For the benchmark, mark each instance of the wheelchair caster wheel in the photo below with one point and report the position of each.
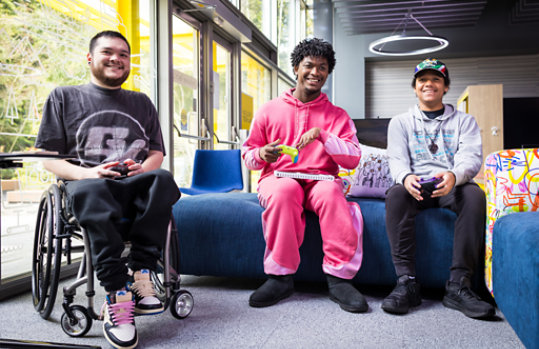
(78, 326)
(182, 304)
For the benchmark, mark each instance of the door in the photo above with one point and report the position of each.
(186, 96)
(222, 95)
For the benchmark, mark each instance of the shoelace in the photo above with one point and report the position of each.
(143, 288)
(121, 313)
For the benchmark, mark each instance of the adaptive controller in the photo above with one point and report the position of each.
(428, 185)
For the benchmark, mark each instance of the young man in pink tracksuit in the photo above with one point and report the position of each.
(326, 138)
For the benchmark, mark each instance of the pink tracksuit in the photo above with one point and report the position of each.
(285, 199)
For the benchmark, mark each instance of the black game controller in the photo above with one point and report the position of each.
(428, 185)
(121, 168)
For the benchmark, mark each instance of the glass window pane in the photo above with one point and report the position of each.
(286, 33)
(309, 23)
(186, 98)
(255, 83)
(283, 85)
(43, 45)
(256, 90)
(252, 9)
(222, 87)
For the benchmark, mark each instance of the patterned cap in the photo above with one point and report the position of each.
(431, 64)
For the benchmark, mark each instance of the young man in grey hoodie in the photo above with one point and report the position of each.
(434, 142)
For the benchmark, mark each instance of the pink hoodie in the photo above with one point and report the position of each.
(287, 118)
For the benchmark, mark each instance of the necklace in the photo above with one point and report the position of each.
(433, 147)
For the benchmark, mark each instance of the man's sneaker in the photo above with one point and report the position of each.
(405, 295)
(275, 289)
(146, 302)
(459, 296)
(118, 320)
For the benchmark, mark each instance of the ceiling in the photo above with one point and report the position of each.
(398, 16)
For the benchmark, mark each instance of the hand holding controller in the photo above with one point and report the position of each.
(428, 185)
(121, 168)
(288, 150)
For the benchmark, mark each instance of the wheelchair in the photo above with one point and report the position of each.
(55, 232)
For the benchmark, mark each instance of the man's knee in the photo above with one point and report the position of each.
(163, 175)
(396, 195)
(473, 195)
(286, 189)
(327, 189)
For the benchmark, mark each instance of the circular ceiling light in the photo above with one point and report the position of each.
(404, 45)
(377, 46)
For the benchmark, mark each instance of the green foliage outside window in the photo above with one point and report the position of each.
(39, 50)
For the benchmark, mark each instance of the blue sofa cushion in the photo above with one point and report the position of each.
(221, 235)
(515, 273)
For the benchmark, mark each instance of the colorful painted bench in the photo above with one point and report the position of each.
(512, 238)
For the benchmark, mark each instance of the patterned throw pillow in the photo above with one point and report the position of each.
(371, 178)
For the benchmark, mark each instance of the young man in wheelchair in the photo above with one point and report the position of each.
(104, 126)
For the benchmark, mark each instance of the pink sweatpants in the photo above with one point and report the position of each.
(283, 223)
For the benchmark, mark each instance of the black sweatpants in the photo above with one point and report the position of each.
(467, 201)
(135, 209)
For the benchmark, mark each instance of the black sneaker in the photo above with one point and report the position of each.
(342, 292)
(275, 289)
(461, 297)
(405, 295)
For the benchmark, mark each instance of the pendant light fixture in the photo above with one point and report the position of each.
(427, 43)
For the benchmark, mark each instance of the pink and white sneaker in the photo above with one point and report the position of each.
(146, 302)
(118, 320)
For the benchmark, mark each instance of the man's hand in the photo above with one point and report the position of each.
(444, 187)
(270, 153)
(134, 168)
(411, 183)
(66, 170)
(105, 170)
(308, 137)
(108, 170)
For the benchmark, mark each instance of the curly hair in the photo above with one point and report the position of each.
(314, 48)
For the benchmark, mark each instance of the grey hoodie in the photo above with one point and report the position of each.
(455, 133)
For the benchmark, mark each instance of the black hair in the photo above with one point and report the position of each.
(107, 34)
(314, 48)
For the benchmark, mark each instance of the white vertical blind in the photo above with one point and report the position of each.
(389, 91)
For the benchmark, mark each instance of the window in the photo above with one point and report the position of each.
(222, 95)
(253, 10)
(43, 45)
(256, 90)
(185, 48)
(284, 22)
(284, 84)
(255, 87)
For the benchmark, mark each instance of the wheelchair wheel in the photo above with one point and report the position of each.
(47, 253)
(79, 325)
(182, 304)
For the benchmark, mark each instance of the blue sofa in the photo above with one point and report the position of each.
(221, 235)
(515, 273)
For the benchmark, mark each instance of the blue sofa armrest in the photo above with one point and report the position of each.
(515, 273)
